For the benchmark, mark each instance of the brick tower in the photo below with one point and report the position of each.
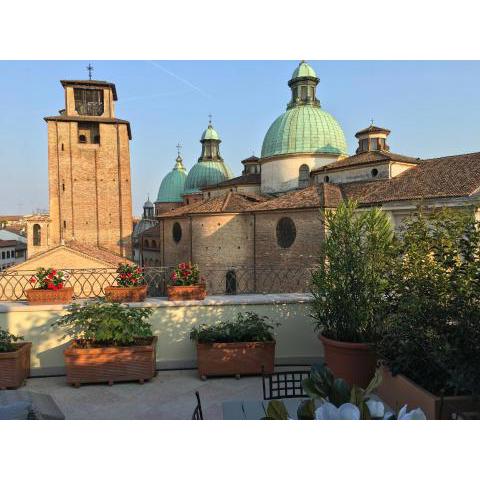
(89, 169)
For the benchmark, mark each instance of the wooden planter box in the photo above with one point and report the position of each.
(126, 294)
(110, 364)
(186, 292)
(399, 390)
(37, 296)
(240, 358)
(15, 366)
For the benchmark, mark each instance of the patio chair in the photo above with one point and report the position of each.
(197, 413)
(284, 384)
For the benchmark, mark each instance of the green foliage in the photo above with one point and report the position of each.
(7, 341)
(322, 386)
(129, 275)
(247, 327)
(433, 333)
(101, 323)
(350, 284)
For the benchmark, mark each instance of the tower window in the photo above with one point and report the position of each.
(82, 139)
(88, 132)
(286, 232)
(374, 144)
(88, 101)
(326, 178)
(37, 230)
(176, 232)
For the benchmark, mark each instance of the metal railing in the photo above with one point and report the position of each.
(233, 280)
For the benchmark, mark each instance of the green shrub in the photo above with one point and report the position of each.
(351, 283)
(101, 323)
(7, 341)
(247, 327)
(433, 332)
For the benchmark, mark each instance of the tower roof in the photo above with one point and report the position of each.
(303, 70)
(91, 83)
(372, 129)
(210, 133)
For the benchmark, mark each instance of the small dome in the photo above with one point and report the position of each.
(148, 204)
(304, 70)
(304, 129)
(210, 134)
(205, 174)
(173, 184)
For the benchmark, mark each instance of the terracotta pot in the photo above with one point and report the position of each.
(239, 358)
(354, 362)
(186, 292)
(126, 294)
(37, 296)
(15, 366)
(110, 364)
(397, 391)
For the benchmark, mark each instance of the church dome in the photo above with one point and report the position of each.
(305, 127)
(210, 168)
(173, 184)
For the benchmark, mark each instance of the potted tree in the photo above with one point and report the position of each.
(431, 342)
(186, 284)
(242, 346)
(111, 343)
(130, 286)
(349, 289)
(48, 288)
(14, 360)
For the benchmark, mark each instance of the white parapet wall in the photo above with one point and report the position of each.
(297, 343)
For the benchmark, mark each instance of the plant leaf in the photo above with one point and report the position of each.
(276, 410)
(340, 392)
(306, 410)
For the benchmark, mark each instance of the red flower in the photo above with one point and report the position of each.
(54, 272)
(59, 286)
(33, 280)
(50, 286)
(50, 275)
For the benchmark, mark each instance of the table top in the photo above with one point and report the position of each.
(256, 409)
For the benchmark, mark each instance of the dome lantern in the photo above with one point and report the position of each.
(210, 141)
(148, 208)
(303, 84)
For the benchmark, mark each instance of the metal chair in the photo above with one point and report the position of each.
(284, 384)
(197, 413)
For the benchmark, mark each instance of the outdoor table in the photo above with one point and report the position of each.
(256, 409)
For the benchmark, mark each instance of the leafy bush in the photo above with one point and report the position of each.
(129, 275)
(247, 327)
(351, 283)
(7, 341)
(101, 323)
(186, 274)
(48, 279)
(433, 333)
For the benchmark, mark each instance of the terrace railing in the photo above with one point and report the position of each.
(219, 280)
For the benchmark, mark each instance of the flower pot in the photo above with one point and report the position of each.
(126, 294)
(238, 358)
(399, 390)
(37, 296)
(15, 366)
(354, 362)
(111, 364)
(186, 292)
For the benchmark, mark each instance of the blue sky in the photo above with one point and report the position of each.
(432, 109)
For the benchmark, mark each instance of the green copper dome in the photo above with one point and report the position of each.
(172, 186)
(304, 70)
(304, 127)
(205, 174)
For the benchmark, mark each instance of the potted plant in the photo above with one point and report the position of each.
(14, 360)
(130, 287)
(242, 346)
(349, 289)
(111, 343)
(431, 343)
(334, 399)
(48, 288)
(186, 284)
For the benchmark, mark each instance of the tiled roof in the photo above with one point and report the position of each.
(85, 118)
(363, 158)
(232, 202)
(372, 129)
(152, 231)
(10, 218)
(252, 159)
(454, 176)
(247, 179)
(8, 243)
(97, 252)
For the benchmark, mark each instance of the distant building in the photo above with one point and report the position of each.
(12, 252)
(147, 221)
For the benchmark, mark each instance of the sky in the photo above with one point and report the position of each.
(431, 107)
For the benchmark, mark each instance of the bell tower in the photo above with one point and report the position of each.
(89, 169)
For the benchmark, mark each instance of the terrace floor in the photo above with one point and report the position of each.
(170, 395)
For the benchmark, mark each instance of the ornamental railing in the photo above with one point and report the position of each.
(235, 280)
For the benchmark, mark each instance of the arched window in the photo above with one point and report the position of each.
(37, 235)
(303, 176)
(154, 244)
(146, 244)
(286, 232)
(326, 178)
(231, 283)
(176, 232)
